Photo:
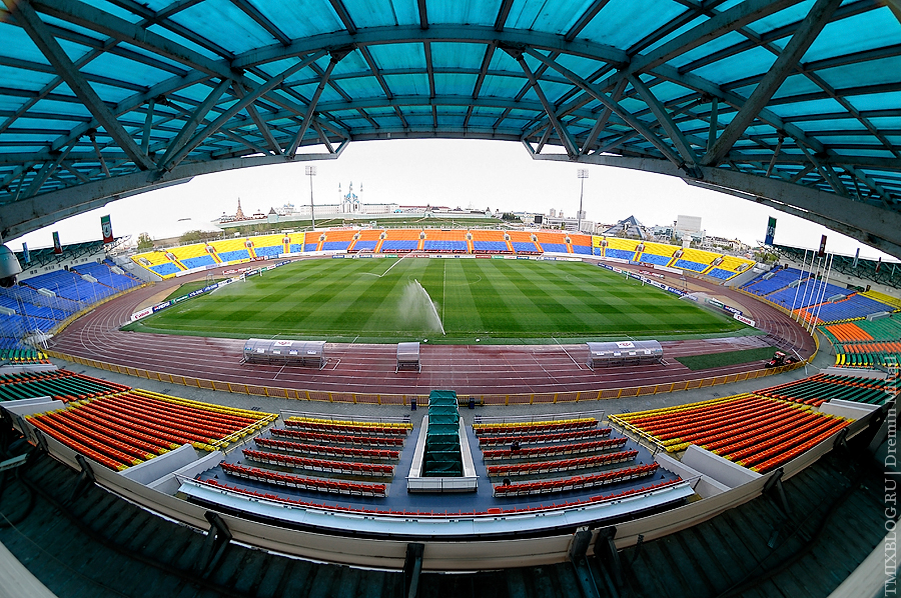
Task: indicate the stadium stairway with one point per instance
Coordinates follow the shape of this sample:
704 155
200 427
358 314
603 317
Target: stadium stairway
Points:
176 261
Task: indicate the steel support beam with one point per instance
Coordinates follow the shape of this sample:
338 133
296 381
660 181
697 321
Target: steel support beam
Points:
226 115
46 170
95 19
262 127
895 7
502 14
821 170
603 98
262 21
590 13
721 24
876 226
412 569
435 33
311 107
601 123
341 10
714 115
148 125
666 121
37 30
769 169
75 172
571 150
725 22
191 124
804 36
423 15
578 550
544 138
324 138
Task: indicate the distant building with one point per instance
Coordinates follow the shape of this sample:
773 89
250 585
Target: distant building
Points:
570 224
664 232
712 243
689 226
628 227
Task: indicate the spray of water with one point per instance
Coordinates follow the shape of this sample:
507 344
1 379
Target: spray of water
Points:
417 310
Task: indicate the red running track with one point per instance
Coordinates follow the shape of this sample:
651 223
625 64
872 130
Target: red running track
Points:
359 368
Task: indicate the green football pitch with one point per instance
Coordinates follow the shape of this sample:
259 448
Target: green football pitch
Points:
463 301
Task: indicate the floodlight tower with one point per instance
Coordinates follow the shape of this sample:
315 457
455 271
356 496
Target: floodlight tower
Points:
582 173
310 171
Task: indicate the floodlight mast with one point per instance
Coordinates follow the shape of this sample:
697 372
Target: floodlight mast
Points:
582 173
310 171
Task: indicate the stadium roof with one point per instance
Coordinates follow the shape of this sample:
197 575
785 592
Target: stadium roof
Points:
792 104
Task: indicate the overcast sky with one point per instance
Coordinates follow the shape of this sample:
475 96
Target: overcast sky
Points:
452 173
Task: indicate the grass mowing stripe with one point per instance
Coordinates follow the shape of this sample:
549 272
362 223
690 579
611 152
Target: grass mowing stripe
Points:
716 360
459 307
518 313
498 301
539 291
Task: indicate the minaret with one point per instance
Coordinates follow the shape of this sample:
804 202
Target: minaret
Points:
239 215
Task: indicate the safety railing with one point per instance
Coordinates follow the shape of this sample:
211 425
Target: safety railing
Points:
422 399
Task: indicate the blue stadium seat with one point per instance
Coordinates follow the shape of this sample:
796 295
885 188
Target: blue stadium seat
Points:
399 245
335 245
444 245
555 247
489 246
780 279
523 247
657 260
582 249
856 306
809 293
164 269
366 245
271 251
721 274
197 262
690 265
104 275
230 256
620 253
310 246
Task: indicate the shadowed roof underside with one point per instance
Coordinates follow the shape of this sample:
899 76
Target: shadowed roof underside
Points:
793 104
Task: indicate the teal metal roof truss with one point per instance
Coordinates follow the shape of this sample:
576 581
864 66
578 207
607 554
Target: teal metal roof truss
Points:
795 104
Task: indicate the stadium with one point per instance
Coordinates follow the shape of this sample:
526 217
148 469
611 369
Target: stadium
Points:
422 409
